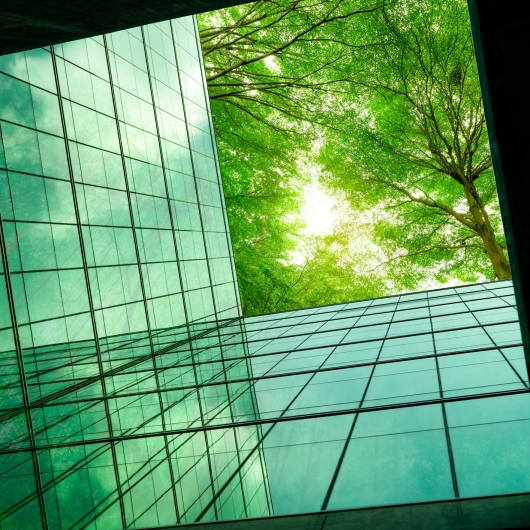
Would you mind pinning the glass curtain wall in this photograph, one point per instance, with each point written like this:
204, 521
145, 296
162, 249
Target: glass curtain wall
413, 398
114, 246
133, 394
405, 399
112, 216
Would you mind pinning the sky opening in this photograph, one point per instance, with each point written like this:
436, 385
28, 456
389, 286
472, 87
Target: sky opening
353, 149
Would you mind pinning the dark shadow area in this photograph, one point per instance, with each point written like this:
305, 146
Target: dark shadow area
502, 38
32, 24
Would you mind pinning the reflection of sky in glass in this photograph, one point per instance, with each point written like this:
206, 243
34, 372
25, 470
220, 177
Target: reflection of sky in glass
145, 209
391, 453
111, 237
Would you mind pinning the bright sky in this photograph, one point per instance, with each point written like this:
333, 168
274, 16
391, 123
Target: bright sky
318, 215
272, 63
317, 211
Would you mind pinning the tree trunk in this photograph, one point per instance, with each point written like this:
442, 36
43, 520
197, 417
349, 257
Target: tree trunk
499, 262
501, 266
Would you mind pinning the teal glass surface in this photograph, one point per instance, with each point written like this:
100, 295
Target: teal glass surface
490, 439
95, 152
395, 456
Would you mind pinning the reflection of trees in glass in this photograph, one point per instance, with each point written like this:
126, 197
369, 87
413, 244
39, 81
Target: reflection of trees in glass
390, 97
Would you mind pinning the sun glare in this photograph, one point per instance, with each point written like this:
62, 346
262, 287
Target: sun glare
319, 216
317, 211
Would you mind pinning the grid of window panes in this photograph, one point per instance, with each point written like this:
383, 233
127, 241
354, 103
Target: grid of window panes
411, 398
132, 394
114, 247
143, 454
121, 227
403, 399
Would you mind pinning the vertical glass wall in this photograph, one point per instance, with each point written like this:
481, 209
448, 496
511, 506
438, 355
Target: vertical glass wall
113, 220
114, 247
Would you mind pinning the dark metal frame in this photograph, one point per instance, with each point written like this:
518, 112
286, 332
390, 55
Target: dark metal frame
501, 36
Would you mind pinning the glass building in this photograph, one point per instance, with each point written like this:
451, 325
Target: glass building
133, 394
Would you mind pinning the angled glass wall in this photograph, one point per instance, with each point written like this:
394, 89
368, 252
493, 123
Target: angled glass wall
405, 399
413, 398
133, 394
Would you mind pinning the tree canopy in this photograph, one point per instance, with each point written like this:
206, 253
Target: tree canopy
418, 147
385, 99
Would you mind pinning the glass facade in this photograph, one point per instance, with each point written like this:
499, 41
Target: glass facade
132, 392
